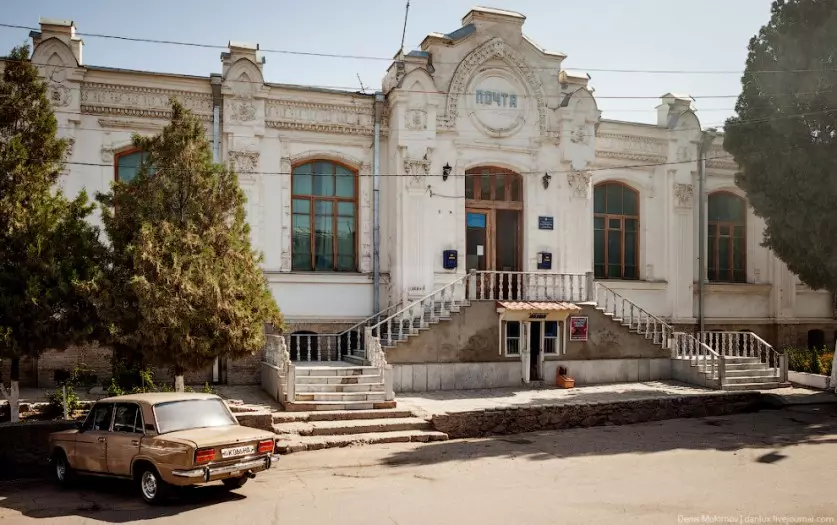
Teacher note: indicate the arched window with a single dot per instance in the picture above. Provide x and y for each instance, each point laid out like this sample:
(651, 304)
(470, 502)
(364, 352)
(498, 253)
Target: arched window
(127, 164)
(615, 231)
(324, 217)
(816, 339)
(727, 261)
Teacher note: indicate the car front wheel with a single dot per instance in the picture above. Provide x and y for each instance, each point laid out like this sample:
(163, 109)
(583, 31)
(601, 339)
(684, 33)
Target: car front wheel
(152, 488)
(234, 483)
(61, 469)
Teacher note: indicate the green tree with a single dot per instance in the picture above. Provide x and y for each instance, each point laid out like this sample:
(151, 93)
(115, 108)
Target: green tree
(183, 285)
(783, 136)
(47, 248)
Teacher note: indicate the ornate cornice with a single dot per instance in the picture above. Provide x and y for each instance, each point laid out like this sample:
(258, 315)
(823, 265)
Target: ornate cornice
(137, 101)
(631, 147)
(321, 117)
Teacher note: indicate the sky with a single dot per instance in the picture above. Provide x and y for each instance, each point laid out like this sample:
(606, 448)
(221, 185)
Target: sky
(594, 34)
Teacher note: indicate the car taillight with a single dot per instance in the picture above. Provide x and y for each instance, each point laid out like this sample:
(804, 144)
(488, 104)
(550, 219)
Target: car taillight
(204, 455)
(265, 446)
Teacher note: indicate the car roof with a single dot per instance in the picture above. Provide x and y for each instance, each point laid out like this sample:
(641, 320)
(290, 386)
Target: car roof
(155, 398)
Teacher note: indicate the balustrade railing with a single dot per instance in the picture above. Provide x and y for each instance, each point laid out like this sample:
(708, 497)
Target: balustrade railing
(355, 336)
(529, 286)
(686, 346)
(419, 313)
(746, 344)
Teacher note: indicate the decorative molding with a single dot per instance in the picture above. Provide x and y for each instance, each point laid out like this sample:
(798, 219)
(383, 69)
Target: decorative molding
(130, 124)
(579, 182)
(321, 117)
(242, 111)
(683, 195)
(579, 136)
(682, 153)
(107, 154)
(365, 215)
(494, 48)
(722, 159)
(417, 170)
(59, 95)
(630, 147)
(309, 155)
(244, 162)
(416, 120)
(137, 101)
(68, 153)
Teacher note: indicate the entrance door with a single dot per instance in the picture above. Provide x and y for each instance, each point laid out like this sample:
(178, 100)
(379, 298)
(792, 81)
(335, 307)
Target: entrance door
(494, 206)
(536, 352)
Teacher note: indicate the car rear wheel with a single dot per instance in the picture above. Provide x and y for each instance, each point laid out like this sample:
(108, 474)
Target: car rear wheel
(61, 471)
(234, 483)
(152, 488)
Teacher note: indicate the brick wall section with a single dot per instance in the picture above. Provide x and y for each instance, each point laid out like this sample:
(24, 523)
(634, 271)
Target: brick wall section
(557, 417)
(24, 447)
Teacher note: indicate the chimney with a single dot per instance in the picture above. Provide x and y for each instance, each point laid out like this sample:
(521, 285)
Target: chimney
(671, 108)
(63, 30)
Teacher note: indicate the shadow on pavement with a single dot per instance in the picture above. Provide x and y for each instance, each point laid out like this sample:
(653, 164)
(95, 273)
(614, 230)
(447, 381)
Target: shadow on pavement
(103, 500)
(771, 430)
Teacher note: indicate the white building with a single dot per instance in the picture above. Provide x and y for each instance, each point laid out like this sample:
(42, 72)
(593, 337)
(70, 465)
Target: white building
(487, 146)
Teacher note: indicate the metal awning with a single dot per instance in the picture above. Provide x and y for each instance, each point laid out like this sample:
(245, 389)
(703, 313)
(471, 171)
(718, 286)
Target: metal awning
(536, 310)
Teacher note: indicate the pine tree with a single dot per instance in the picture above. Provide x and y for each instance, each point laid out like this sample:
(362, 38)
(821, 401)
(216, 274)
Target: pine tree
(184, 286)
(784, 136)
(47, 248)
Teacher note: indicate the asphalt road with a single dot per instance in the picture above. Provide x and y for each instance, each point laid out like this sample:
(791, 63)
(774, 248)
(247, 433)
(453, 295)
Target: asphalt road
(772, 465)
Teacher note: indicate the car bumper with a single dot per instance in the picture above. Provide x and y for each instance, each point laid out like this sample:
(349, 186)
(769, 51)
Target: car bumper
(210, 473)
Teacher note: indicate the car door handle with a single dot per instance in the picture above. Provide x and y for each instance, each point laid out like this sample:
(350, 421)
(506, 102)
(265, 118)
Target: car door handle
(135, 442)
(102, 439)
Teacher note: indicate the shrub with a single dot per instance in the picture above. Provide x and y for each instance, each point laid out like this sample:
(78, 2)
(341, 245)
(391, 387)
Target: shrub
(56, 400)
(812, 361)
(826, 359)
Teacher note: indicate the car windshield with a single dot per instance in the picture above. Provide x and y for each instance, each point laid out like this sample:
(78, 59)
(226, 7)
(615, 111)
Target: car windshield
(192, 413)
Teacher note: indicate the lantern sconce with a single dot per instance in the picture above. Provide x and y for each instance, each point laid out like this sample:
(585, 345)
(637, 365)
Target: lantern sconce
(446, 171)
(545, 179)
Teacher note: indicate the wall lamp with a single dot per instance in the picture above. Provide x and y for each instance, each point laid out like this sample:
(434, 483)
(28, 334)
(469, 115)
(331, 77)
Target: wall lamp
(545, 180)
(566, 101)
(446, 171)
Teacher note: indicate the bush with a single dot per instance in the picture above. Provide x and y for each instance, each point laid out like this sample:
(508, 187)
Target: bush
(812, 361)
(56, 400)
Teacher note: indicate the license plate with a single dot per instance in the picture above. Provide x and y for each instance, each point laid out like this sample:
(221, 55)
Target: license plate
(237, 451)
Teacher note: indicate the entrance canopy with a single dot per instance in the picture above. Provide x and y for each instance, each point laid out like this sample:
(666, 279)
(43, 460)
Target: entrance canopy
(536, 311)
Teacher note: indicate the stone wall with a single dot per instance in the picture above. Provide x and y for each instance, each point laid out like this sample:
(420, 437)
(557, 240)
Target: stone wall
(607, 339)
(528, 419)
(24, 447)
(470, 336)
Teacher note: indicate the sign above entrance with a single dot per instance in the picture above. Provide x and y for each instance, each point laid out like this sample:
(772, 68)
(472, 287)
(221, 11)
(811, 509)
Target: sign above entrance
(497, 103)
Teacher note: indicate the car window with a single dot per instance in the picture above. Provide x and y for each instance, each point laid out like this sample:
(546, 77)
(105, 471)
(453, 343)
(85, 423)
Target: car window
(192, 413)
(127, 418)
(99, 417)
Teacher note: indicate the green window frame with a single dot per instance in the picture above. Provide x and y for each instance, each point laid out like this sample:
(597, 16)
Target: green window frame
(324, 215)
(727, 238)
(615, 231)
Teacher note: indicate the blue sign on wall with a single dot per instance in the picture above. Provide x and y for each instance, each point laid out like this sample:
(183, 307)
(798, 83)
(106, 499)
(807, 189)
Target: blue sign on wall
(546, 223)
(476, 220)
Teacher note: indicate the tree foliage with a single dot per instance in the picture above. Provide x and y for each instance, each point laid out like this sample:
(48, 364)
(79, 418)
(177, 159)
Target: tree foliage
(183, 285)
(47, 248)
(783, 136)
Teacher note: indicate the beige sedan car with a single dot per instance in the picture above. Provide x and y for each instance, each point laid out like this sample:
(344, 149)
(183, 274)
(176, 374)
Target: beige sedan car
(162, 440)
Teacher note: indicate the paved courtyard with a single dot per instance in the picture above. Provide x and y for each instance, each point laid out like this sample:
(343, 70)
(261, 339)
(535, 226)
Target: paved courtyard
(776, 463)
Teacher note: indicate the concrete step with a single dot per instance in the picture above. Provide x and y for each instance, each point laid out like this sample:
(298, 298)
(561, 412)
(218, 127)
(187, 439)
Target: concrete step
(338, 380)
(355, 360)
(352, 426)
(340, 396)
(340, 415)
(752, 386)
(750, 372)
(738, 380)
(336, 388)
(305, 370)
(301, 443)
(324, 406)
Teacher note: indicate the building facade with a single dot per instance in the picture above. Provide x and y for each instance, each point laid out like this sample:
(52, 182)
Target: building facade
(486, 146)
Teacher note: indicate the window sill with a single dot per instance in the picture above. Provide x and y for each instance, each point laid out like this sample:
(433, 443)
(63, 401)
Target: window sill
(320, 277)
(735, 288)
(617, 284)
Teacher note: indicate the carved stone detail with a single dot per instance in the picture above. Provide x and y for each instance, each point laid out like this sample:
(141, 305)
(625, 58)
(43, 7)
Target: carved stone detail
(630, 147)
(718, 158)
(59, 95)
(68, 153)
(494, 48)
(682, 153)
(243, 112)
(579, 136)
(416, 120)
(107, 154)
(327, 118)
(416, 171)
(138, 101)
(683, 195)
(579, 182)
(244, 162)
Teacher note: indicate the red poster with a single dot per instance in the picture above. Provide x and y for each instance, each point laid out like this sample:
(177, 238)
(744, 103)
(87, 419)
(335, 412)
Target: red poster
(578, 328)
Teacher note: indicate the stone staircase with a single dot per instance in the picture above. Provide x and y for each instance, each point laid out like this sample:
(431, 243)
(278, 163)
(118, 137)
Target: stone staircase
(722, 360)
(329, 429)
(337, 386)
